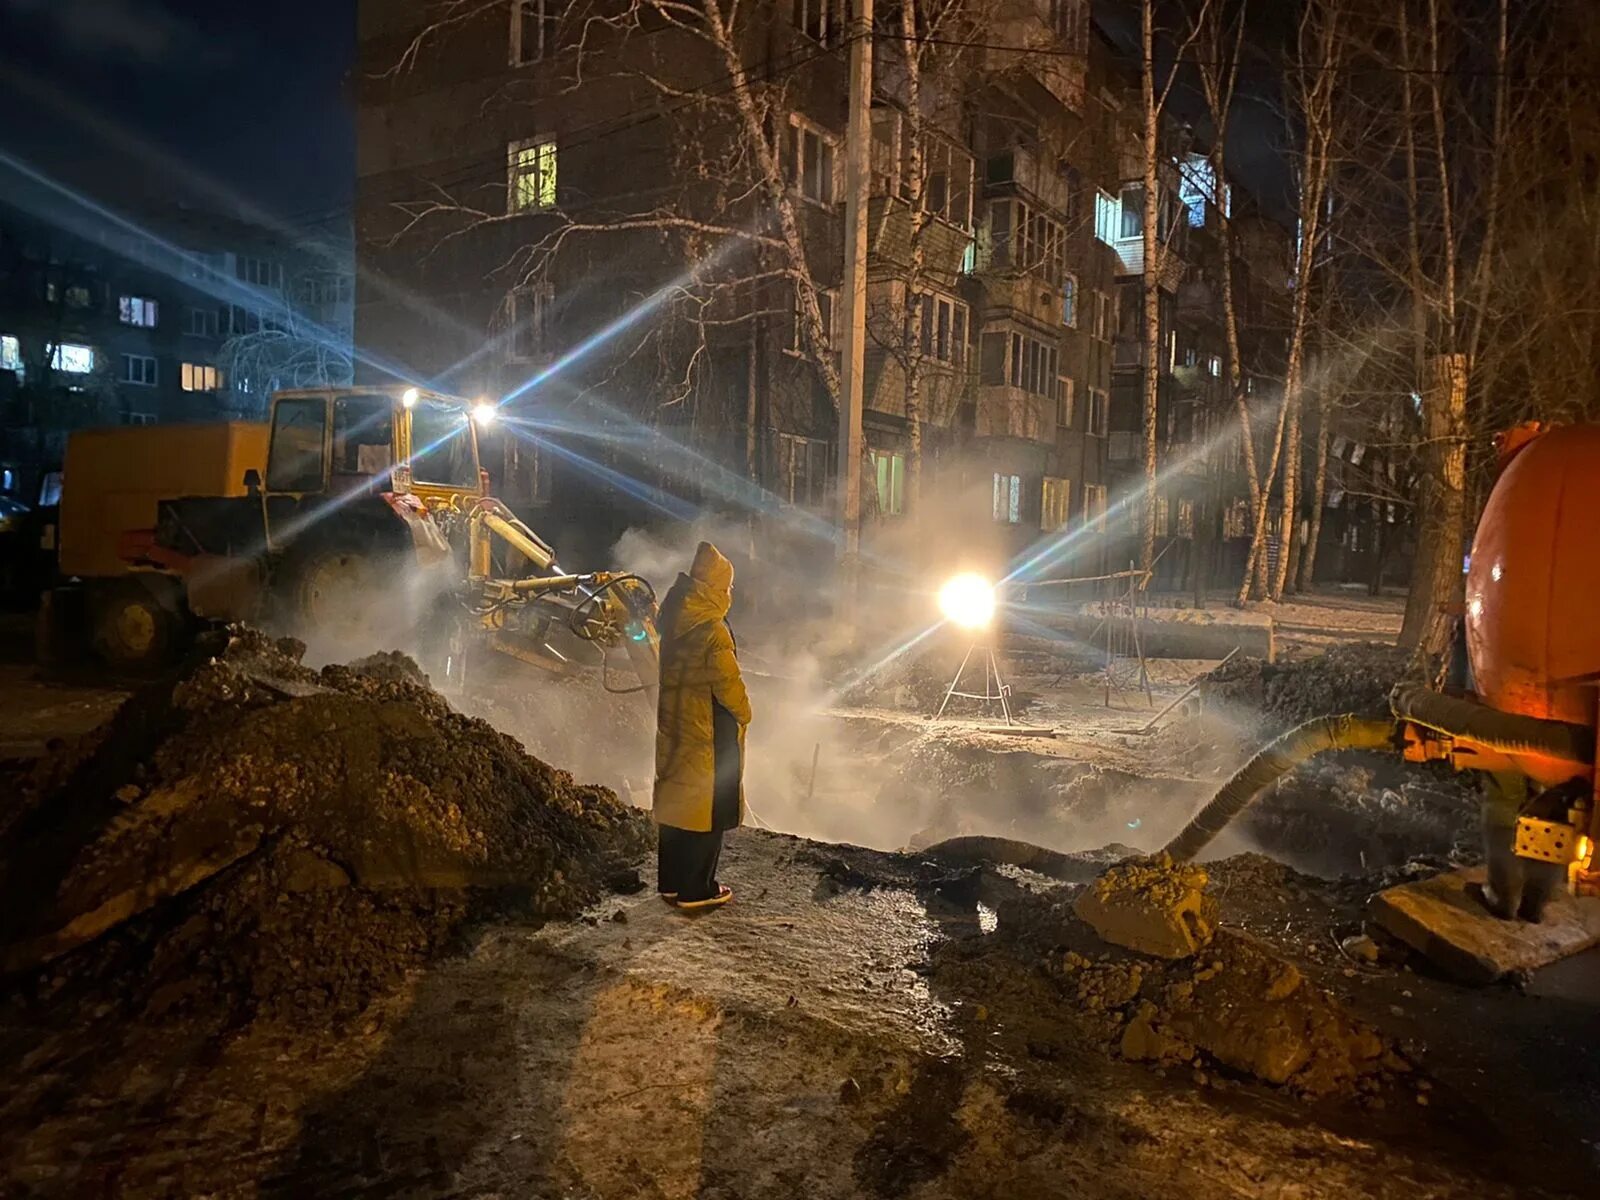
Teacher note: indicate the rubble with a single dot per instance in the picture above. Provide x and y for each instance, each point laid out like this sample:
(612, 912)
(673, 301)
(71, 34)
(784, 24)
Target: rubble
(1151, 905)
(1247, 1009)
(1356, 677)
(1235, 1006)
(183, 842)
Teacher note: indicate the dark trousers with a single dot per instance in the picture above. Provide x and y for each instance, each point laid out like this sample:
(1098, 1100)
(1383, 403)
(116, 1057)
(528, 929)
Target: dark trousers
(686, 862)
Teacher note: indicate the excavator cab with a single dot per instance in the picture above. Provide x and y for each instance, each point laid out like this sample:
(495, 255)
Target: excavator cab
(333, 450)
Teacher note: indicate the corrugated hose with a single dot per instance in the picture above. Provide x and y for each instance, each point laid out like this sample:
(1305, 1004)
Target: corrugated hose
(1273, 762)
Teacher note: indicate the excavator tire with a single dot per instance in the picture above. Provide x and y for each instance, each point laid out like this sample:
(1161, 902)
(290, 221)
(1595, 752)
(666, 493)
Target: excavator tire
(136, 624)
(330, 589)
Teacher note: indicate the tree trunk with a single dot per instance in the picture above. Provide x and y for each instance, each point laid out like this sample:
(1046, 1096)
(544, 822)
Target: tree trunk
(1151, 281)
(1436, 577)
(1319, 492)
(918, 202)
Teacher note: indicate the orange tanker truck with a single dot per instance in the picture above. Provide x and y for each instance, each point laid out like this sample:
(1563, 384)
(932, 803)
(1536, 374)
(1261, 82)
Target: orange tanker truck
(1530, 725)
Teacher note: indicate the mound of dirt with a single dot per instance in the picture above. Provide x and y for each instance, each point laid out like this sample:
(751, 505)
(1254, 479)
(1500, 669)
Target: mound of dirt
(270, 836)
(1234, 1007)
(1351, 678)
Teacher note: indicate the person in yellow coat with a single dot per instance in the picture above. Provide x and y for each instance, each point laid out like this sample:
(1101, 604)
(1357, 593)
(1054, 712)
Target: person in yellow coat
(700, 723)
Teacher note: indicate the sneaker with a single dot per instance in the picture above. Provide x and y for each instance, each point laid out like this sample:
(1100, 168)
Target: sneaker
(724, 894)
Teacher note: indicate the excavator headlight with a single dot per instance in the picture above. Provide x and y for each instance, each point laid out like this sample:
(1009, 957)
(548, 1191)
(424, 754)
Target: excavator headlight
(409, 397)
(483, 413)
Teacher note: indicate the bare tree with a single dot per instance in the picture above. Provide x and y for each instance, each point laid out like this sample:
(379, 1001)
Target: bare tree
(1156, 239)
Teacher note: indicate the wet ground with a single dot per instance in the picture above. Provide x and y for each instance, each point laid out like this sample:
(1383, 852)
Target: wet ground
(815, 1038)
(855, 1024)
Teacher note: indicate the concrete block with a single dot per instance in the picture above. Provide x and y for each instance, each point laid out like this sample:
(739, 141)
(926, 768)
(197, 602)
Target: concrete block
(1443, 919)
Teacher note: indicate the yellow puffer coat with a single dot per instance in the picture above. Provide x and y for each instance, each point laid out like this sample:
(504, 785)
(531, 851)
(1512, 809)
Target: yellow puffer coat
(703, 708)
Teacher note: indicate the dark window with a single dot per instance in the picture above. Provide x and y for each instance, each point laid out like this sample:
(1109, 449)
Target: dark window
(442, 449)
(363, 436)
(294, 459)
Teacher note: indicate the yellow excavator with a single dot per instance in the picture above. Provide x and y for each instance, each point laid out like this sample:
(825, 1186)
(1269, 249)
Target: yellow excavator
(360, 517)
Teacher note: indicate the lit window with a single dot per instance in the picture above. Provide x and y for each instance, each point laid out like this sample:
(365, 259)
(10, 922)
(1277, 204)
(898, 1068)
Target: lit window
(533, 29)
(139, 369)
(78, 296)
(1008, 498)
(1069, 301)
(890, 470)
(1055, 503)
(531, 176)
(73, 358)
(1099, 412)
(812, 155)
(1064, 402)
(10, 353)
(198, 377)
(1214, 366)
(1107, 217)
(137, 310)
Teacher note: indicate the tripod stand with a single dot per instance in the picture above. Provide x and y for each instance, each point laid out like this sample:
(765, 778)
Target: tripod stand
(994, 688)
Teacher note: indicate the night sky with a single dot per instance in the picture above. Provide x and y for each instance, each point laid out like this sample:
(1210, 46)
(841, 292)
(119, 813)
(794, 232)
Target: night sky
(122, 96)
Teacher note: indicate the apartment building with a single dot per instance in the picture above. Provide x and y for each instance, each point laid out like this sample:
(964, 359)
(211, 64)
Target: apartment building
(140, 317)
(570, 210)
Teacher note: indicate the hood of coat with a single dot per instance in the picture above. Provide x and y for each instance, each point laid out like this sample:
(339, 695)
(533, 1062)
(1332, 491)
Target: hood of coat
(703, 595)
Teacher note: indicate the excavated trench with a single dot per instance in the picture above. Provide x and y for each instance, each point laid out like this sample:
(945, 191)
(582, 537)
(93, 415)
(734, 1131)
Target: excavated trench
(512, 1012)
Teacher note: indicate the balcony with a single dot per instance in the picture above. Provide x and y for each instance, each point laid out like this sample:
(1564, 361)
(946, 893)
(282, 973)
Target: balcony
(889, 226)
(1025, 294)
(1023, 170)
(1023, 24)
(1007, 411)
(1130, 261)
(1199, 301)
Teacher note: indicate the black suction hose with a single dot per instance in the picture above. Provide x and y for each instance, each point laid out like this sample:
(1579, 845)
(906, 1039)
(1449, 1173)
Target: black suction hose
(1277, 759)
(1508, 733)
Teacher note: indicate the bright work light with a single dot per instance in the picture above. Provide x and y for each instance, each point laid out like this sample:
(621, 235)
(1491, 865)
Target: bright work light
(967, 600)
(483, 413)
(409, 397)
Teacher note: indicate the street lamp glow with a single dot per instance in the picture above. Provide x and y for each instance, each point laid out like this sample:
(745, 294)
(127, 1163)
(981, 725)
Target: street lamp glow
(483, 413)
(967, 600)
(409, 397)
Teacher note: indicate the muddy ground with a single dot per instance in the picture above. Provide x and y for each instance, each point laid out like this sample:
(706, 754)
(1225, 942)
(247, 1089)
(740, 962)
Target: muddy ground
(859, 1022)
(842, 1030)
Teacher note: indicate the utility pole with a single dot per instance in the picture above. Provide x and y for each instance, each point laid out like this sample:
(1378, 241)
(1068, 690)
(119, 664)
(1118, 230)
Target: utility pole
(858, 173)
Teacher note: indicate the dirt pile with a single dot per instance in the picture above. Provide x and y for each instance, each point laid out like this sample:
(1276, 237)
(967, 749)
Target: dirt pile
(1151, 905)
(1230, 1007)
(276, 837)
(1352, 678)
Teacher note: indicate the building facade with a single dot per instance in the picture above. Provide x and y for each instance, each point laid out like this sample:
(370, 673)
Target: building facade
(576, 209)
(169, 314)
